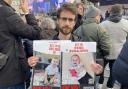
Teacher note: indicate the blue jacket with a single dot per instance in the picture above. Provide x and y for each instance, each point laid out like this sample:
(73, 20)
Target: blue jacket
(120, 67)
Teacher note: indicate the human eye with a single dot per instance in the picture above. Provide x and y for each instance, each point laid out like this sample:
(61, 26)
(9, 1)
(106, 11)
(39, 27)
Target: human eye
(64, 18)
(71, 19)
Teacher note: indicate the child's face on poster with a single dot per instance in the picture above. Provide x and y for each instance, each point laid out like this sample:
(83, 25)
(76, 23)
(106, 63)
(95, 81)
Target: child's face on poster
(55, 62)
(75, 60)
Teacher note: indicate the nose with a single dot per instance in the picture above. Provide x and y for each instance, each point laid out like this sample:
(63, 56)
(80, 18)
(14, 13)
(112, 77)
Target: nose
(67, 22)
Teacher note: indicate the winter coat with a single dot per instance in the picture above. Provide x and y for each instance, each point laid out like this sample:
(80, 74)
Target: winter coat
(12, 30)
(90, 31)
(73, 37)
(118, 33)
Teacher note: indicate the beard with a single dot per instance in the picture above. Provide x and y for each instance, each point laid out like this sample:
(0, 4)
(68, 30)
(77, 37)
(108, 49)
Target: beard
(65, 30)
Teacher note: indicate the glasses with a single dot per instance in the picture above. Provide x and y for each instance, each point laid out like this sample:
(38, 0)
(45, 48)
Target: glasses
(65, 19)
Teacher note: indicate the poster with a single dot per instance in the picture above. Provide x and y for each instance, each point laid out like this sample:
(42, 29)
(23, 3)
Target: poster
(77, 58)
(48, 70)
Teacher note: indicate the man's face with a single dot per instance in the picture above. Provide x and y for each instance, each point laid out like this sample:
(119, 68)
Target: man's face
(66, 22)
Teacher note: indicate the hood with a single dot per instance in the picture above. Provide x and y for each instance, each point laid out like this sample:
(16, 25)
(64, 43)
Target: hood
(115, 18)
(90, 20)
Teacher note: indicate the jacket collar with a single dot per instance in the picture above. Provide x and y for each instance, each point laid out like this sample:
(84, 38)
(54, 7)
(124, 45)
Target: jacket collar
(115, 17)
(56, 37)
(72, 38)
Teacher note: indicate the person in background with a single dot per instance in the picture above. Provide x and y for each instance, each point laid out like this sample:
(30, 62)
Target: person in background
(107, 14)
(48, 27)
(14, 69)
(117, 28)
(80, 15)
(91, 31)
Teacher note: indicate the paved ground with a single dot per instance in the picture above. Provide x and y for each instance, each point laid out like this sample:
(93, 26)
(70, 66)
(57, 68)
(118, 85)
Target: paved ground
(106, 75)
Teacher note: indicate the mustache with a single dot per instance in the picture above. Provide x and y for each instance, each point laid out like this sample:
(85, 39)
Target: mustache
(66, 27)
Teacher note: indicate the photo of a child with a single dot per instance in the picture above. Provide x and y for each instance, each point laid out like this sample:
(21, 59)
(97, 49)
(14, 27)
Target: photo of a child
(78, 70)
(47, 71)
(51, 72)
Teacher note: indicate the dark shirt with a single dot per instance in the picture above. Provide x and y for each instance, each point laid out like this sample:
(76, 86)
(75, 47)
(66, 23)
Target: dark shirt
(72, 38)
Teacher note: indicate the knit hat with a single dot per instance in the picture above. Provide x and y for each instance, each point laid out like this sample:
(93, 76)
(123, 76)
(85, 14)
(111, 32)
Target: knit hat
(92, 12)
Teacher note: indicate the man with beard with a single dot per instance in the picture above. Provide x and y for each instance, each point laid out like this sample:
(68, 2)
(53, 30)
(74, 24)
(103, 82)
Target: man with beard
(66, 20)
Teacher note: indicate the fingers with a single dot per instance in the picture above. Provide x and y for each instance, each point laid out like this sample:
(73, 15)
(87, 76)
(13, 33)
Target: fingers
(46, 81)
(24, 6)
(32, 61)
(96, 68)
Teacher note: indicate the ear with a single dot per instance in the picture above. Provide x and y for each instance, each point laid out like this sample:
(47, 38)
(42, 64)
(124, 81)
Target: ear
(98, 18)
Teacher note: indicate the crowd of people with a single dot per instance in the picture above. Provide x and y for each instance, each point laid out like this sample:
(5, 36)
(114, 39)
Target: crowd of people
(75, 22)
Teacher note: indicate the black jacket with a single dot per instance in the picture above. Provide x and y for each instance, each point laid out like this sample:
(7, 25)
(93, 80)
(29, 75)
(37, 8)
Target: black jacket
(12, 30)
(72, 38)
(79, 22)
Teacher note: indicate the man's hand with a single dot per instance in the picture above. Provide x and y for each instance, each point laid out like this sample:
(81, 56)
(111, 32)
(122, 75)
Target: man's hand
(32, 61)
(24, 6)
(96, 68)
(45, 81)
